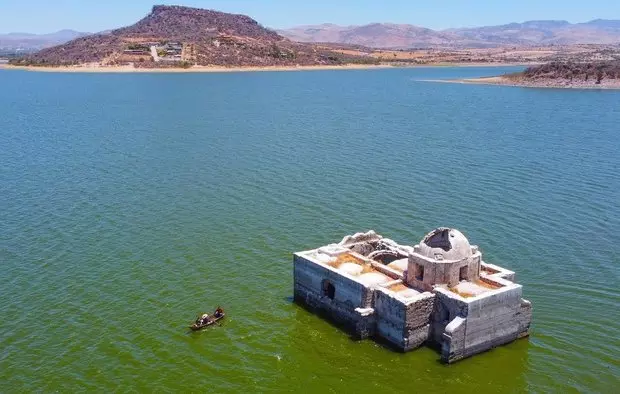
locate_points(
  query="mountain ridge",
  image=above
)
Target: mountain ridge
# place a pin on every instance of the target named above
(534, 32)
(392, 35)
(31, 41)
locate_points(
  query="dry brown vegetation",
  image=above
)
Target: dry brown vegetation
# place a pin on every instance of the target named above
(507, 55)
(217, 38)
(228, 40)
(597, 71)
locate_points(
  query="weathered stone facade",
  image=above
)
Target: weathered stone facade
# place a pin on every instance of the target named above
(438, 292)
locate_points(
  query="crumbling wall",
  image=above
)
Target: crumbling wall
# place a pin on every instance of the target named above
(375, 247)
(489, 321)
(495, 271)
(404, 323)
(417, 320)
(453, 340)
(390, 317)
(447, 306)
(310, 281)
(314, 276)
(525, 318)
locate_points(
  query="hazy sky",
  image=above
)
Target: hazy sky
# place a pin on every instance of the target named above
(42, 16)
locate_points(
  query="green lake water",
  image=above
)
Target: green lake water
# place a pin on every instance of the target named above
(129, 203)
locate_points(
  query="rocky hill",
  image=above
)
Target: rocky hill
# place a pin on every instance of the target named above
(581, 75)
(385, 35)
(592, 71)
(185, 36)
(193, 24)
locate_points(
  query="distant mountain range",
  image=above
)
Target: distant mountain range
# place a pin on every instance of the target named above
(398, 36)
(29, 42)
(388, 35)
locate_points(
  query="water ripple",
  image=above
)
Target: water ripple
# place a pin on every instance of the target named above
(125, 213)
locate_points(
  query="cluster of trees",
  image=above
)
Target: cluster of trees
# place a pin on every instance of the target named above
(151, 64)
(596, 71)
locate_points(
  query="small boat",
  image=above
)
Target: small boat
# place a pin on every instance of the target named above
(212, 319)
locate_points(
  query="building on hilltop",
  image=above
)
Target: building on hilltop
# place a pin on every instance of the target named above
(439, 292)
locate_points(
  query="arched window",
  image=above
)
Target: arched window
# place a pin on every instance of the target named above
(329, 289)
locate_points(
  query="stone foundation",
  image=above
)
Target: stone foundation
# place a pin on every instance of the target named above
(447, 297)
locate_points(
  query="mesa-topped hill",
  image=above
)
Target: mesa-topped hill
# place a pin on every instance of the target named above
(177, 35)
(194, 24)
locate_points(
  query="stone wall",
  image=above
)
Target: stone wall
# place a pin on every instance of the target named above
(487, 321)
(387, 271)
(313, 276)
(390, 319)
(417, 320)
(525, 318)
(351, 300)
(437, 272)
(447, 307)
(404, 323)
(494, 271)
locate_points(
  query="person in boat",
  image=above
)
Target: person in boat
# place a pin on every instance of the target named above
(203, 319)
(219, 312)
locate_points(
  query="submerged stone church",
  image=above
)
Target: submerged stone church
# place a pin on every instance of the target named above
(438, 292)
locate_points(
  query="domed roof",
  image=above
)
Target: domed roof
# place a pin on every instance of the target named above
(445, 244)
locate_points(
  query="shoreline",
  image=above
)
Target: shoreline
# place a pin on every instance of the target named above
(194, 69)
(547, 84)
(220, 69)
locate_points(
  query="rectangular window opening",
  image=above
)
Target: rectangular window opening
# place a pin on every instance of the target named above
(463, 273)
(419, 272)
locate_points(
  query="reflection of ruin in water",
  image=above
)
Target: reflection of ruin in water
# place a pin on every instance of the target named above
(438, 292)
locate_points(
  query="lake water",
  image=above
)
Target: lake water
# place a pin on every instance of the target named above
(129, 203)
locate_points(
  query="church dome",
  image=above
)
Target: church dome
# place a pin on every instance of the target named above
(445, 244)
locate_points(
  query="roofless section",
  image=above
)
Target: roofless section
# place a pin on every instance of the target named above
(437, 292)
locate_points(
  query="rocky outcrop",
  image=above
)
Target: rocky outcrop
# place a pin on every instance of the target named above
(215, 38)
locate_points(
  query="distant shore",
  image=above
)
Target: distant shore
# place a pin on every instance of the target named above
(221, 69)
(194, 69)
(545, 83)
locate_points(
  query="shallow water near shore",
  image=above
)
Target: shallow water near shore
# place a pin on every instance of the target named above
(132, 202)
(538, 84)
